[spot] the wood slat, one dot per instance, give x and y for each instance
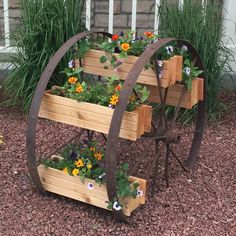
(189, 99)
(91, 64)
(92, 116)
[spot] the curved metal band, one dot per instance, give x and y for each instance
(111, 152)
(37, 98)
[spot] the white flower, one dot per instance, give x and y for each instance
(116, 206)
(71, 64)
(187, 71)
(139, 193)
(101, 176)
(160, 63)
(169, 50)
(184, 48)
(111, 106)
(90, 186)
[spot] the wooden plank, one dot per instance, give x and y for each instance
(179, 68)
(200, 89)
(92, 65)
(189, 99)
(90, 116)
(71, 186)
(103, 119)
(147, 118)
(86, 124)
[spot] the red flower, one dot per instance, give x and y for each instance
(115, 37)
(149, 34)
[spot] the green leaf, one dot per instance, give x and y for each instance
(103, 59)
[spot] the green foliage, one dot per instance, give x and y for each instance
(125, 45)
(45, 26)
(105, 93)
(203, 28)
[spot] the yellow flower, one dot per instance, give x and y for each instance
(125, 46)
(65, 170)
(89, 166)
(132, 98)
(79, 163)
(75, 172)
(72, 80)
(79, 89)
(92, 149)
(98, 156)
(114, 99)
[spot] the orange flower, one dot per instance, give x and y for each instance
(117, 88)
(72, 80)
(65, 170)
(149, 34)
(92, 149)
(114, 99)
(115, 37)
(98, 156)
(79, 89)
(125, 46)
(79, 163)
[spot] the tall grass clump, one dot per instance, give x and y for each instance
(203, 27)
(45, 26)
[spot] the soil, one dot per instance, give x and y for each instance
(202, 202)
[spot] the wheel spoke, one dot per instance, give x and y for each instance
(178, 160)
(156, 167)
(167, 165)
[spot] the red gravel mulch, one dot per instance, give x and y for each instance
(199, 203)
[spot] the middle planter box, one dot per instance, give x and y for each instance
(95, 117)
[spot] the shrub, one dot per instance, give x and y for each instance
(202, 26)
(45, 26)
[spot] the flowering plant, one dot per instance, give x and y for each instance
(105, 93)
(86, 161)
(189, 71)
(125, 45)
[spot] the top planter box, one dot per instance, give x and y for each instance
(172, 69)
(95, 117)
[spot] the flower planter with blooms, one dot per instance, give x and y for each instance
(78, 172)
(116, 57)
(90, 105)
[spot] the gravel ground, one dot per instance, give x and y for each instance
(199, 203)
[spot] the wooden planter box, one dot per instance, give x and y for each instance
(172, 69)
(188, 100)
(95, 117)
(56, 181)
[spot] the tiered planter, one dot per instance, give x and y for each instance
(56, 181)
(133, 124)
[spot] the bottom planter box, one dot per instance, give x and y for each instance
(56, 181)
(95, 117)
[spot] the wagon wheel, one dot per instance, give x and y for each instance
(166, 135)
(111, 152)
